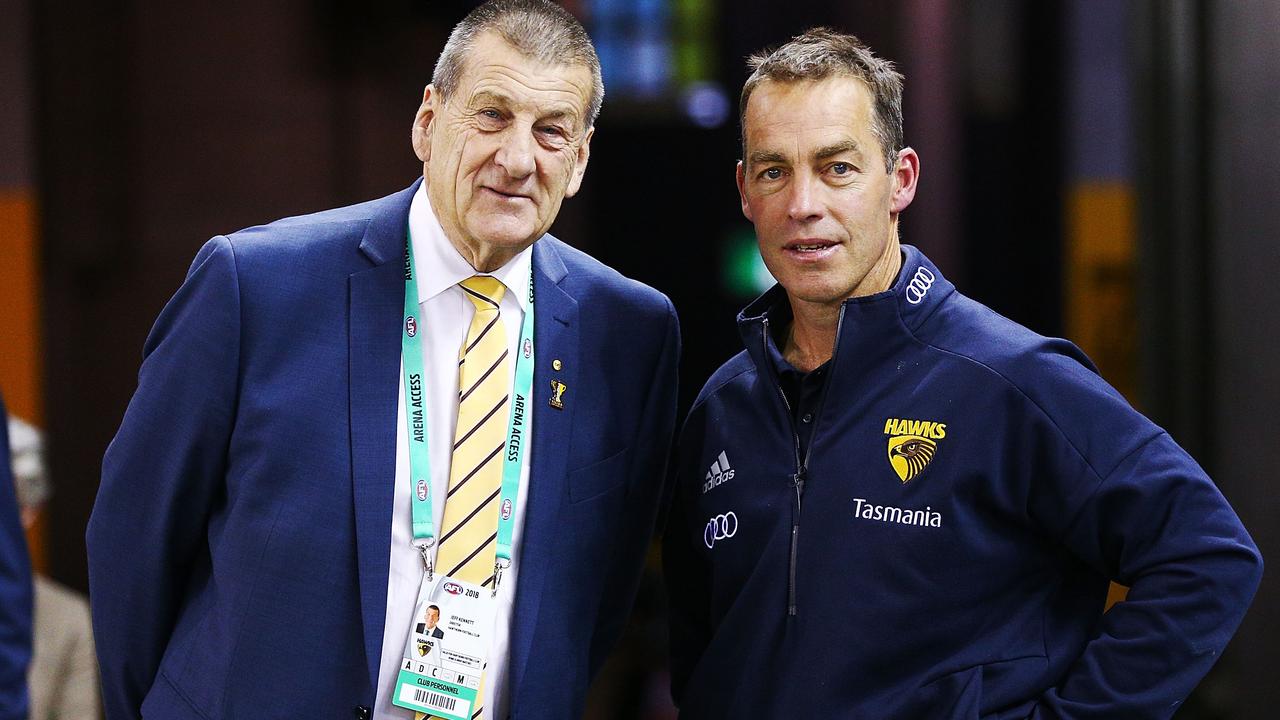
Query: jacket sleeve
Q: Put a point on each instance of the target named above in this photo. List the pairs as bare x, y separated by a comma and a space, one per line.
1157, 524
162, 475
648, 468
15, 592
687, 576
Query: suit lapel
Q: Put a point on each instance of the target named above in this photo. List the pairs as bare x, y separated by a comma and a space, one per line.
376, 303
555, 338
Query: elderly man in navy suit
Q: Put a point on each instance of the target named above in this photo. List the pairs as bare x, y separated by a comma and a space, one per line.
424, 399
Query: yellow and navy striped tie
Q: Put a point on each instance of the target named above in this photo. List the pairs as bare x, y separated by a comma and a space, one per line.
468, 545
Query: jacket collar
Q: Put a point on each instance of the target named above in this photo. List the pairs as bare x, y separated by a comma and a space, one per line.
868, 323
383, 239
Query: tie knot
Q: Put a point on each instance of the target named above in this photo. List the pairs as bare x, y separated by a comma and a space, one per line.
484, 290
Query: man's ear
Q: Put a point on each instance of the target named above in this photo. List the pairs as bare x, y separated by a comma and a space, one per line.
905, 177
580, 164
420, 135
742, 190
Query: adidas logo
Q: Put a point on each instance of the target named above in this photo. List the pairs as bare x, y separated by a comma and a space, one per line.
720, 472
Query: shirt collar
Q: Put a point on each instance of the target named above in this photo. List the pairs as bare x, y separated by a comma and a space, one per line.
439, 264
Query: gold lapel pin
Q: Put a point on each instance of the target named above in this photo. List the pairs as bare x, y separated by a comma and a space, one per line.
557, 394
556, 364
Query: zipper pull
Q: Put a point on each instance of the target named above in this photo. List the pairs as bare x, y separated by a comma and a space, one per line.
797, 482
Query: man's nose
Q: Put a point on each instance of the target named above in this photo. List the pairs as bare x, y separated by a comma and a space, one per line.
516, 154
803, 204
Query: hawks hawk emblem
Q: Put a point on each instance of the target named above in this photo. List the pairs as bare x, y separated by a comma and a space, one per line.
424, 647
910, 454
912, 445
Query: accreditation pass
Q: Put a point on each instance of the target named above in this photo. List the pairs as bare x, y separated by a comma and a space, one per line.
444, 656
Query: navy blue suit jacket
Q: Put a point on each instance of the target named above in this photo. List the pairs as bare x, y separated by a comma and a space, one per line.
246, 500
15, 592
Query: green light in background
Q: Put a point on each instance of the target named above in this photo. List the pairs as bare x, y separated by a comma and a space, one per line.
695, 22
743, 272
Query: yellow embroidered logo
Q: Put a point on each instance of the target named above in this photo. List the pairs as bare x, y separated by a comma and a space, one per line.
912, 445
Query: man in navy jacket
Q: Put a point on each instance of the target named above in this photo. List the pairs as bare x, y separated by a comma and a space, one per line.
15, 591
898, 504
243, 550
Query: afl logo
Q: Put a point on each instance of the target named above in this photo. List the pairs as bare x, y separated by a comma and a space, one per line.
528, 348
422, 490
453, 588
720, 527
919, 285
411, 326
506, 509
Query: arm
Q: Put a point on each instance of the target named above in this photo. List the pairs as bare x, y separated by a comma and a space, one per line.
161, 476
1156, 523
15, 592
649, 459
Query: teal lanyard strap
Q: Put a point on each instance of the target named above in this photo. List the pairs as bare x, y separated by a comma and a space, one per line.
424, 534
416, 427
517, 439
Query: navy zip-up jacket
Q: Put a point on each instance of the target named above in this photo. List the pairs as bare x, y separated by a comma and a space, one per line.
943, 548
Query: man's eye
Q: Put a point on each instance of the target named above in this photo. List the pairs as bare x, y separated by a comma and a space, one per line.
842, 168
771, 174
553, 136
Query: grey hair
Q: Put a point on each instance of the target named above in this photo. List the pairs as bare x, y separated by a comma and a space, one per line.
31, 481
819, 53
537, 29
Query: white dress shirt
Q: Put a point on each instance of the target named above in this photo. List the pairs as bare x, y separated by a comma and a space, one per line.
446, 315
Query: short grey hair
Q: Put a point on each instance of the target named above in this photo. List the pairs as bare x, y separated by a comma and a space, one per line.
31, 481
537, 29
819, 53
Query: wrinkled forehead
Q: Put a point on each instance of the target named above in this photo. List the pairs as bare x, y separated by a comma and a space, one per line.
803, 113
494, 70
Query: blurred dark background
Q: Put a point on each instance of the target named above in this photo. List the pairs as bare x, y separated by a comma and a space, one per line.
1102, 170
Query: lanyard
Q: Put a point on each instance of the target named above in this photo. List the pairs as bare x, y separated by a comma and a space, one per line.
416, 427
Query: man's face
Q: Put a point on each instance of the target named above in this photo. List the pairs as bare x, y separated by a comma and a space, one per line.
433, 617
814, 183
506, 149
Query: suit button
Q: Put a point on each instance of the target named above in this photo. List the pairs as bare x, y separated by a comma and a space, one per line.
362, 712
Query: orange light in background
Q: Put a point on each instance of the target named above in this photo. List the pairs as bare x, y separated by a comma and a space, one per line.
20, 369
1101, 316
1100, 275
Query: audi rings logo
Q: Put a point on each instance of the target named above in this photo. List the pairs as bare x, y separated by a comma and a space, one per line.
720, 527
919, 285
